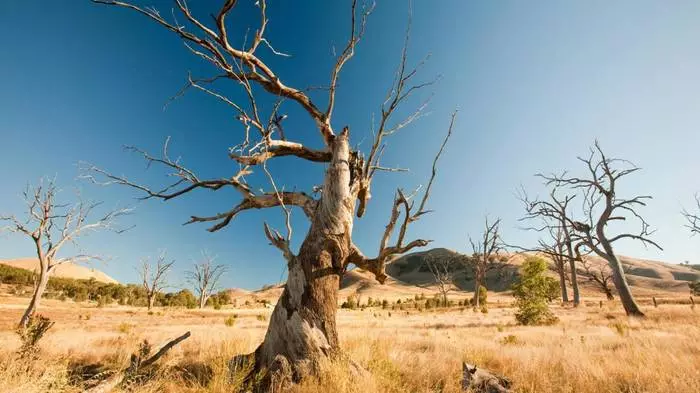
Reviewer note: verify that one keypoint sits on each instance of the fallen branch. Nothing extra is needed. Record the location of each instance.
(136, 365)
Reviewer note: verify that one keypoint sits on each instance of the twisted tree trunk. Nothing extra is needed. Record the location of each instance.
(623, 289)
(302, 333)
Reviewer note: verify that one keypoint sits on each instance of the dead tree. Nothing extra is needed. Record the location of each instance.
(443, 272)
(154, 277)
(693, 219)
(486, 255)
(205, 276)
(51, 226)
(302, 333)
(554, 217)
(600, 275)
(602, 206)
(555, 249)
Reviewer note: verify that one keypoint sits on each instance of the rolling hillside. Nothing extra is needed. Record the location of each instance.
(67, 270)
(408, 276)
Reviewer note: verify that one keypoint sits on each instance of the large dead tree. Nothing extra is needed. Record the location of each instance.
(302, 333)
(443, 271)
(599, 274)
(205, 276)
(693, 219)
(154, 278)
(486, 255)
(603, 206)
(52, 226)
(553, 216)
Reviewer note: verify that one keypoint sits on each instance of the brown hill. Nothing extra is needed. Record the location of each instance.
(409, 276)
(67, 270)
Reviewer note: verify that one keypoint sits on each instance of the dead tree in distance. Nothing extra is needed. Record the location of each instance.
(154, 277)
(602, 206)
(442, 269)
(555, 249)
(693, 219)
(51, 226)
(205, 276)
(554, 216)
(600, 275)
(486, 256)
(302, 333)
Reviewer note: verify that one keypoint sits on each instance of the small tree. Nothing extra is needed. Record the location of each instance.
(532, 292)
(486, 256)
(205, 277)
(443, 272)
(51, 226)
(153, 278)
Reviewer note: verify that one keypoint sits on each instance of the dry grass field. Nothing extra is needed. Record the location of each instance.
(591, 349)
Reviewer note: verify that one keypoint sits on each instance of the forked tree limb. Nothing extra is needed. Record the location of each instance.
(386, 251)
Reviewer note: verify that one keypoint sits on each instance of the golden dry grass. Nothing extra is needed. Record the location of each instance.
(589, 350)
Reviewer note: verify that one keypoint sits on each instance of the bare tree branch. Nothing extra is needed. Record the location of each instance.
(693, 219)
(386, 251)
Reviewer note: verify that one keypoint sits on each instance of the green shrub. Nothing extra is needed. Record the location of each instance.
(510, 340)
(350, 303)
(694, 288)
(230, 320)
(532, 292)
(261, 317)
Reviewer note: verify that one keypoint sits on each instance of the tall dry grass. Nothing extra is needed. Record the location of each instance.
(589, 350)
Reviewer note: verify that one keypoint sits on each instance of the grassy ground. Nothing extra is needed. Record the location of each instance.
(590, 350)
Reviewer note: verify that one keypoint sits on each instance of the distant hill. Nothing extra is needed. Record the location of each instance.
(67, 270)
(409, 276)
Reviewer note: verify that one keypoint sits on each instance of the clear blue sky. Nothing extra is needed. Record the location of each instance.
(536, 83)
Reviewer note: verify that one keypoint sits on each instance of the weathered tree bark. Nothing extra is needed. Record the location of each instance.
(302, 333)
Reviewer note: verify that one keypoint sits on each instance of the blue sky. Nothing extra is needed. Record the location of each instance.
(536, 83)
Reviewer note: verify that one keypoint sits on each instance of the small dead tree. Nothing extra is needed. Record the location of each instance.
(603, 206)
(205, 276)
(443, 272)
(486, 256)
(693, 219)
(600, 275)
(154, 277)
(302, 333)
(51, 226)
(553, 215)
